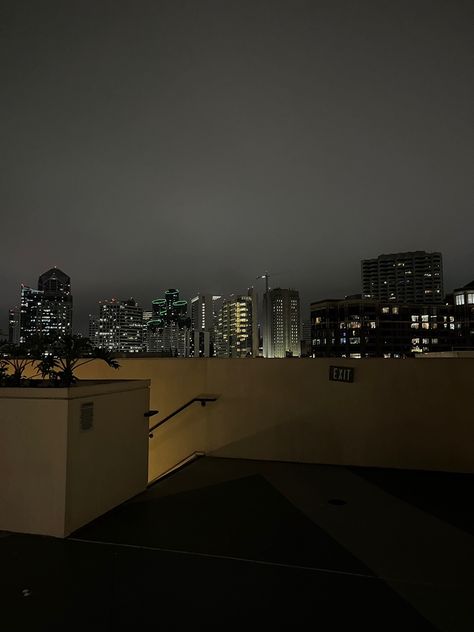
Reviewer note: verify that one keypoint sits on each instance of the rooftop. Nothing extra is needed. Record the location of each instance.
(227, 543)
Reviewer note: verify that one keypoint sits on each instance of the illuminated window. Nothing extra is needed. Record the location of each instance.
(385, 310)
(460, 299)
(470, 298)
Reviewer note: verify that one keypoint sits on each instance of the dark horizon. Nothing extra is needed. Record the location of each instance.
(196, 146)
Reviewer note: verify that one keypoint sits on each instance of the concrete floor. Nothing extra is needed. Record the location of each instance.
(224, 544)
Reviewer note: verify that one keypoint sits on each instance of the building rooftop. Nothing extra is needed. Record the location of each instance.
(228, 543)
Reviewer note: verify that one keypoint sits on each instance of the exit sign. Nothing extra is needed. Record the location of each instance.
(341, 374)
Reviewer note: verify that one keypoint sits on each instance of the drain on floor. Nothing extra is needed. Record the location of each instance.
(337, 501)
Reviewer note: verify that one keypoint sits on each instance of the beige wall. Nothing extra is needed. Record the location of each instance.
(54, 476)
(109, 463)
(33, 456)
(397, 413)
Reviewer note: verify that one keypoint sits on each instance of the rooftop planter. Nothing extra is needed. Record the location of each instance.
(69, 450)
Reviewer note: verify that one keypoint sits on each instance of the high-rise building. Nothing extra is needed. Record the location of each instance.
(462, 300)
(30, 313)
(199, 344)
(94, 329)
(306, 340)
(47, 310)
(252, 293)
(168, 328)
(121, 326)
(234, 328)
(205, 310)
(362, 328)
(282, 307)
(56, 303)
(404, 277)
(14, 325)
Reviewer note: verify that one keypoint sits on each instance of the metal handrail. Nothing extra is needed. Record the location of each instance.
(200, 398)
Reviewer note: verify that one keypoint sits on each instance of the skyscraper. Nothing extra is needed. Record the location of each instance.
(204, 316)
(30, 313)
(14, 325)
(120, 326)
(404, 277)
(234, 328)
(94, 329)
(168, 328)
(56, 302)
(47, 310)
(284, 330)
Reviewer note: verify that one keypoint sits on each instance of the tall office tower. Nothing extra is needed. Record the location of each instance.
(147, 316)
(234, 328)
(204, 315)
(404, 277)
(283, 307)
(14, 325)
(306, 341)
(47, 310)
(94, 329)
(56, 302)
(252, 293)
(121, 326)
(168, 328)
(30, 313)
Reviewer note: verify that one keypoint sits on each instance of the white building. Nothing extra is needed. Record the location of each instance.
(282, 309)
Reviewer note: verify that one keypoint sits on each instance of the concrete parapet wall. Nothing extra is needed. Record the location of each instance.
(396, 413)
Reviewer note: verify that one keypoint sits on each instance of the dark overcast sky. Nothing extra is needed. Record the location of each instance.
(148, 144)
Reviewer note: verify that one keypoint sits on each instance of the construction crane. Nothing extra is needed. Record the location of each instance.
(266, 276)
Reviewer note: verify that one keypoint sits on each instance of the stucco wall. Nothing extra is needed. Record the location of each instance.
(56, 476)
(397, 413)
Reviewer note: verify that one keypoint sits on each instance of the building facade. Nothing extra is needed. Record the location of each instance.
(120, 326)
(205, 310)
(282, 307)
(47, 310)
(234, 336)
(462, 300)
(404, 277)
(169, 326)
(56, 302)
(364, 328)
(14, 325)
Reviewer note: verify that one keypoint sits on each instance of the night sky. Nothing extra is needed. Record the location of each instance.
(195, 144)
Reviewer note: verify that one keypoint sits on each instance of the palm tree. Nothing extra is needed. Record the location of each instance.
(66, 354)
(17, 358)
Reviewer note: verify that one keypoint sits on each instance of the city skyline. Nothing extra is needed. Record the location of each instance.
(231, 139)
(83, 311)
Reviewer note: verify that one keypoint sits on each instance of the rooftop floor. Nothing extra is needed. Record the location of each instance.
(225, 543)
